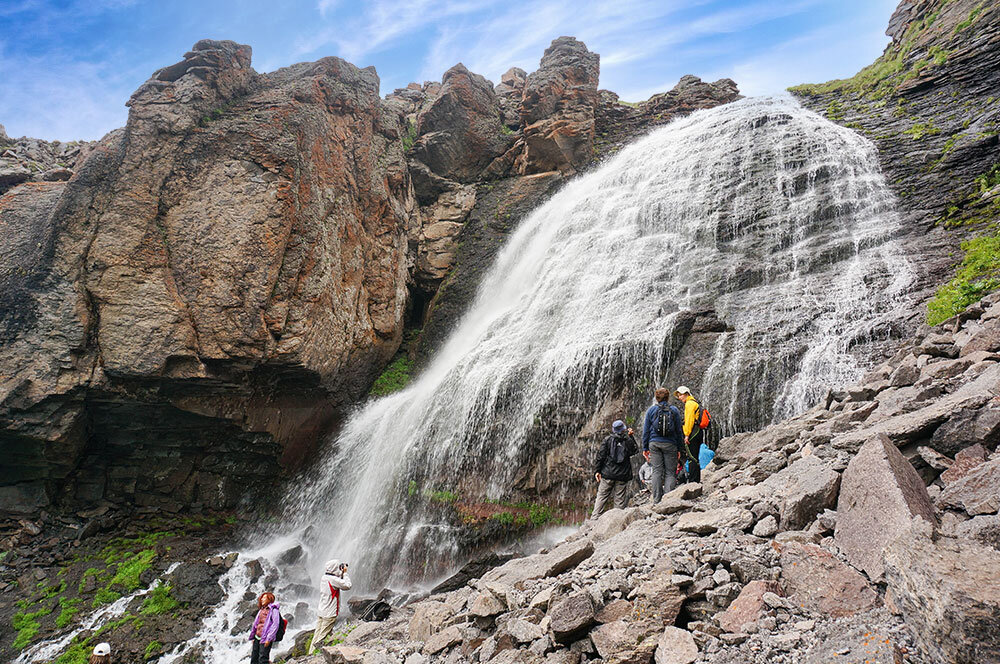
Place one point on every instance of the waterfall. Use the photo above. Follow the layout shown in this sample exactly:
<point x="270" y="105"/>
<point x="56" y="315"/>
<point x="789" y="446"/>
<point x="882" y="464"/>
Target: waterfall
<point x="774" y="217"/>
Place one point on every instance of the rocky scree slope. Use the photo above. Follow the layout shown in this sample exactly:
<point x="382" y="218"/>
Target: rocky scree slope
<point x="864" y="530"/>
<point x="220" y="278"/>
<point x="931" y="105"/>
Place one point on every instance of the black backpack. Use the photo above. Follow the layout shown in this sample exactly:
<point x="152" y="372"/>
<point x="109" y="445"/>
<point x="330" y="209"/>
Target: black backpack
<point x="665" y="422"/>
<point x="282" y="626"/>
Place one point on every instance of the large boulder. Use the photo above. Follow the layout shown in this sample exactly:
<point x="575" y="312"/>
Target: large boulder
<point x="519" y="570"/>
<point x="225" y="272"/>
<point x="676" y="646"/>
<point x="460" y="132"/>
<point x="557" y="109"/>
<point x="710" y="521"/>
<point x="625" y="641"/>
<point x="428" y="618"/>
<point x="801" y="491"/>
<point x="814" y="578"/>
<point x="880" y="493"/>
<point x="948" y="592"/>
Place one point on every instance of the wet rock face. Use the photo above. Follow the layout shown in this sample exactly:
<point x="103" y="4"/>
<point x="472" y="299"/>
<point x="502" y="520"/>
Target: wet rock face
<point x="229" y="267"/>
<point x="928" y="105"/>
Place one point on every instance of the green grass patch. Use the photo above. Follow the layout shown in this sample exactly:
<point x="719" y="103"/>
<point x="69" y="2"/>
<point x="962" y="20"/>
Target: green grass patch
<point x="26" y="625"/>
<point x="394" y="378"/>
<point x="77" y="653"/>
<point x="540" y="515"/>
<point x="978" y="275"/>
<point x="91" y="572"/>
<point x="105" y="596"/>
<point x="159" y="601"/>
<point x="68" y="608"/>
<point x="152" y="649"/>
<point x="127" y="574"/>
<point x="973" y="15"/>
<point x="920" y="130"/>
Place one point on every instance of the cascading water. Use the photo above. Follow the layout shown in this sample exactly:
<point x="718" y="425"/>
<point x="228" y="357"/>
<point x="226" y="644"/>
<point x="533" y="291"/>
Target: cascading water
<point x="773" y="216"/>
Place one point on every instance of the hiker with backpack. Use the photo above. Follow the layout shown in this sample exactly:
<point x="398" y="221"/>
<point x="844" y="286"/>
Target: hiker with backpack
<point x="695" y="421"/>
<point x="333" y="582"/>
<point x="661" y="437"/>
<point x="613" y="467"/>
<point x="265" y="628"/>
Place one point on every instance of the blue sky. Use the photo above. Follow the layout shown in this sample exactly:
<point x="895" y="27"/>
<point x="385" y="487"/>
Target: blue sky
<point x="67" y="67"/>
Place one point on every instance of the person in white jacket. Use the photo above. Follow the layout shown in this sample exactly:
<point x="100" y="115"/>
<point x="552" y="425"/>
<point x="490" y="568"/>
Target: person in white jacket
<point x="333" y="582"/>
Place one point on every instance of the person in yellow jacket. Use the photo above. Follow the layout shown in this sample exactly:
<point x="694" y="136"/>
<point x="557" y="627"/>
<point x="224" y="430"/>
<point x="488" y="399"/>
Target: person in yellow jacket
<point x="692" y="432"/>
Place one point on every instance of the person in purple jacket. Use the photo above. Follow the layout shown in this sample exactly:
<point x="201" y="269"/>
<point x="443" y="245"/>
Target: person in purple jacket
<point x="264" y="628"/>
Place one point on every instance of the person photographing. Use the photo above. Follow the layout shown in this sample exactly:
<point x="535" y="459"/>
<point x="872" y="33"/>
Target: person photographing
<point x="335" y="580"/>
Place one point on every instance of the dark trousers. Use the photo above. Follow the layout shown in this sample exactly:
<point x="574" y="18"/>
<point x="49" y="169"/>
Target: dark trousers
<point x="694" y="465"/>
<point x="260" y="654"/>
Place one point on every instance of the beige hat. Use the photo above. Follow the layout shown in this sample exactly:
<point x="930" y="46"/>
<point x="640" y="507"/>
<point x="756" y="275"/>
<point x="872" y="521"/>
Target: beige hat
<point x="682" y="390"/>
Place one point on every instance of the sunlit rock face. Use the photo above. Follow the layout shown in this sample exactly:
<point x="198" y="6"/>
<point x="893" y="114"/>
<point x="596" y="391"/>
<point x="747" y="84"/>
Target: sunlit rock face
<point x="217" y="278"/>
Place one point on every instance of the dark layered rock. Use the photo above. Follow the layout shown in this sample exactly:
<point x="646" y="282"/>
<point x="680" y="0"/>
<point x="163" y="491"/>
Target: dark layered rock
<point x="928" y="105"/>
<point x="617" y="123"/>
<point x="509" y="91"/>
<point x="183" y="299"/>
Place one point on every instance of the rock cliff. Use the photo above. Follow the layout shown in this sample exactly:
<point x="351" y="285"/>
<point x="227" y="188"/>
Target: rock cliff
<point x="216" y="279"/>
<point x="930" y="105"/>
<point x="211" y="285"/>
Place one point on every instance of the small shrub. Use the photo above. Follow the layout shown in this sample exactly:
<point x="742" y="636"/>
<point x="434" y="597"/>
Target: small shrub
<point x="540" y="514"/>
<point x="68" y="608"/>
<point x="129" y="570"/>
<point x="152" y="649"/>
<point x="442" y="496"/>
<point x="505" y="518"/>
<point x="105" y="596"/>
<point x="410" y="137"/>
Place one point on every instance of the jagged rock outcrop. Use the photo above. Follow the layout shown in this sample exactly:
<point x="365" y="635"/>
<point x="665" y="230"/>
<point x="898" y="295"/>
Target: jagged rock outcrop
<point x="217" y="278"/>
<point x="928" y="104"/>
<point x="34" y="160"/>
<point x="509" y="91"/>
<point x="557" y="109"/>
<point x="460" y="131"/>
<point x="617" y="123"/>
